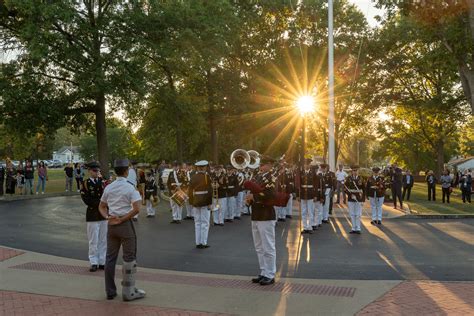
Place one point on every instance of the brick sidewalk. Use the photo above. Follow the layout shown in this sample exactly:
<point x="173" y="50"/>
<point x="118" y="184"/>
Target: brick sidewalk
<point x="7" y="253"/>
<point x="15" y="303"/>
<point x="425" y="298"/>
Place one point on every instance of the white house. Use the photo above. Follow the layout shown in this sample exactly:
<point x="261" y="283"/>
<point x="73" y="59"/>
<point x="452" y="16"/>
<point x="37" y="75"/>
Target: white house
<point x="462" y="163"/>
<point x="68" y="154"/>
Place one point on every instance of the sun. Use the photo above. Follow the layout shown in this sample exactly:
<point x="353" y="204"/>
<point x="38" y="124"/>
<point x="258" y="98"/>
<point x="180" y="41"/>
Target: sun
<point x="305" y="104"/>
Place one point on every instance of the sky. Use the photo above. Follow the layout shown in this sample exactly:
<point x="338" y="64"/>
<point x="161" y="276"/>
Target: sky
<point x="368" y="8"/>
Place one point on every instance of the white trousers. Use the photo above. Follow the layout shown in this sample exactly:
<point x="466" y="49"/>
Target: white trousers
<point x="189" y="209"/>
<point x="280" y="211"/>
<point x="307" y="213"/>
<point x="177" y="211"/>
<point x="289" y="206"/>
<point x="318" y="213"/>
<point x="376" y="207"/>
<point x="326" y="205"/>
<point x="220" y="214"/>
<point x="355" y="211"/>
<point x="240" y="202"/>
<point x="232" y="209"/>
<point x="201" y="224"/>
<point x="150" y="210"/>
<point x="263" y="233"/>
<point x="97" y="236"/>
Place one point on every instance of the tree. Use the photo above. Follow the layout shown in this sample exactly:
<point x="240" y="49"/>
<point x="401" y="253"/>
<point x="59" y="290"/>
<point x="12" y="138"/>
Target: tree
<point x="450" y="23"/>
<point x="75" y="57"/>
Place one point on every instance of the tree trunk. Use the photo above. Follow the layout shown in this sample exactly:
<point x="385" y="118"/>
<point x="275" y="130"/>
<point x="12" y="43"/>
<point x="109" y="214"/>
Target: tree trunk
<point x="101" y="132"/>
<point x="179" y="142"/>
<point x="467" y="82"/>
<point x="439" y="159"/>
<point x="212" y="121"/>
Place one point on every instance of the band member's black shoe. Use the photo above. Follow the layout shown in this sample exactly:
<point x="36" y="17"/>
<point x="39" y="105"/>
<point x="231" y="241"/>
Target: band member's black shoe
<point x="178" y="222"/>
<point x="237" y="218"/>
<point x="357" y="232"/>
<point x="174" y="221"/>
<point x="310" y="231"/>
<point x="325" y="221"/>
<point x="111" y="296"/>
<point x="93" y="268"/>
<point x="289" y="216"/>
<point x="266" y="281"/>
<point x="226" y="220"/>
<point x="199" y="246"/>
<point x="257" y="279"/>
<point x="148" y="216"/>
<point x="379" y="222"/>
<point x="304" y="232"/>
<point x="315" y="227"/>
<point x="246" y="214"/>
<point x="352" y="232"/>
<point x="101" y="267"/>
<point x="373" y="222"/>
<point x="205" y="246"/>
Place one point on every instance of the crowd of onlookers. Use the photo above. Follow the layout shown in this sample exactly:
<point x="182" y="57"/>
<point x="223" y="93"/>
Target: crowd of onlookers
<point x="20" y="179"/>
<point x="448" y="181"/>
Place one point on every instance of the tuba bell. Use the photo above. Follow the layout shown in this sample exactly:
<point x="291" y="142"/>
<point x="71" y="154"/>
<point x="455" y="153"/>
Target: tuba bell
<point x="241" y="159"/>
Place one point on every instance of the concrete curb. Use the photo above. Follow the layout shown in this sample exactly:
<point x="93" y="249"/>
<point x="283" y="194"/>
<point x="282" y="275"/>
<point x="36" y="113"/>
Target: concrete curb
<point x="438" y="216"/>
<point x="8" y="198"/>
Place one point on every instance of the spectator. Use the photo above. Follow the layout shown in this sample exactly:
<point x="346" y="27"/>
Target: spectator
<point x="408" y="181"/>
<point x="431" y="182"/>
<point x="341" y="176"/>
<point x="69" y="172"/>
<point x="20" y="178"/>
<point x="446" y="187"/>
<point x="466" y="185"/>
<point x="29" y="173"/>
<point x="78" y="175"/>
<point x="42" y="177"/>
<point x="10" y="179"/>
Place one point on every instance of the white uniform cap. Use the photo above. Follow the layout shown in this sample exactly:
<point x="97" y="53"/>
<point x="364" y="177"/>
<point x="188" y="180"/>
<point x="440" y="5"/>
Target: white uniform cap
<point x="201" y="163"/>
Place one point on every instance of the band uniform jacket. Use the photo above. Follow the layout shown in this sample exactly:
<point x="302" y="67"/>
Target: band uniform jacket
<point x="329" y="181"/>
<point x="290" y="181"/>
<point x="91" y="192"/>
<point x="232" y="185"/>
<point x="200" y="190"/>
<point x="308" y="185"/>
<point x="319" y="193"/>
<point x="262" y="206"/>
<point x="354" y="189"/>
<point x="222" y="185"/>
<point x="172" y="185"/>
<point x="150" y="188"/>
<point x="375" y="186"/>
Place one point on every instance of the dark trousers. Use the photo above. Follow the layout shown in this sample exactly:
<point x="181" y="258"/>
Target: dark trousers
<point x="2" y="180"/>
<point x="397" y="193"/>
<point x="118" y="235"/>
<point x="446" y="194"/>
<point x="406" y="190"/>
<point x="466" y="194"/>
<point x="431" y="192"/>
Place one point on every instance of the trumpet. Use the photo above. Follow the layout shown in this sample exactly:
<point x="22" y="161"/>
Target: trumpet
<point x="241" y="159"/>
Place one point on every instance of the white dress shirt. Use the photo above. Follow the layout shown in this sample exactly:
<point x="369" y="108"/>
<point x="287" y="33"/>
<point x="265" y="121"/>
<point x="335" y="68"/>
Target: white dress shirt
<point x="119" y="196"/>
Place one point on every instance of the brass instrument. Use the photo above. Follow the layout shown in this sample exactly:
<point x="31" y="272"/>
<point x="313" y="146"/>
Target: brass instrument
<point x="241" y="159"/>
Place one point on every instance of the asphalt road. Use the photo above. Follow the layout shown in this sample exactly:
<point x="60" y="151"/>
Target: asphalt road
<point x="401" y="249"/>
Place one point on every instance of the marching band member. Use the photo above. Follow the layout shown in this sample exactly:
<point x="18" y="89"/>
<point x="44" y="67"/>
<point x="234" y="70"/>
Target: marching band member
<point x="307" y="186"/>
<point x="220" y="182"/>
<point x="200" y="193"/>
<point x="290" y="189"/>
<point x="119" y="203"/>
<point x="232" y="191"/>
<point x="248" y="175"/>
<point x="376" y="193"/>
<point x="240" y="192"/>
<point x="151" y="192"/>
<point x="91" y="192"/>
<point x="328" y="186"/>
<point x="175" y="181"/>
<point x="263" y="220"/>
<point x="281" y="187"/>
<point x="186" y="175"/>
<point x="354" y="188"/>
<point x="319" y="200"/>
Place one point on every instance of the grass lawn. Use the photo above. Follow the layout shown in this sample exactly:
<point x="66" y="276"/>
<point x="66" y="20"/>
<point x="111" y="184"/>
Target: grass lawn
<point x="419" y="202"/>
